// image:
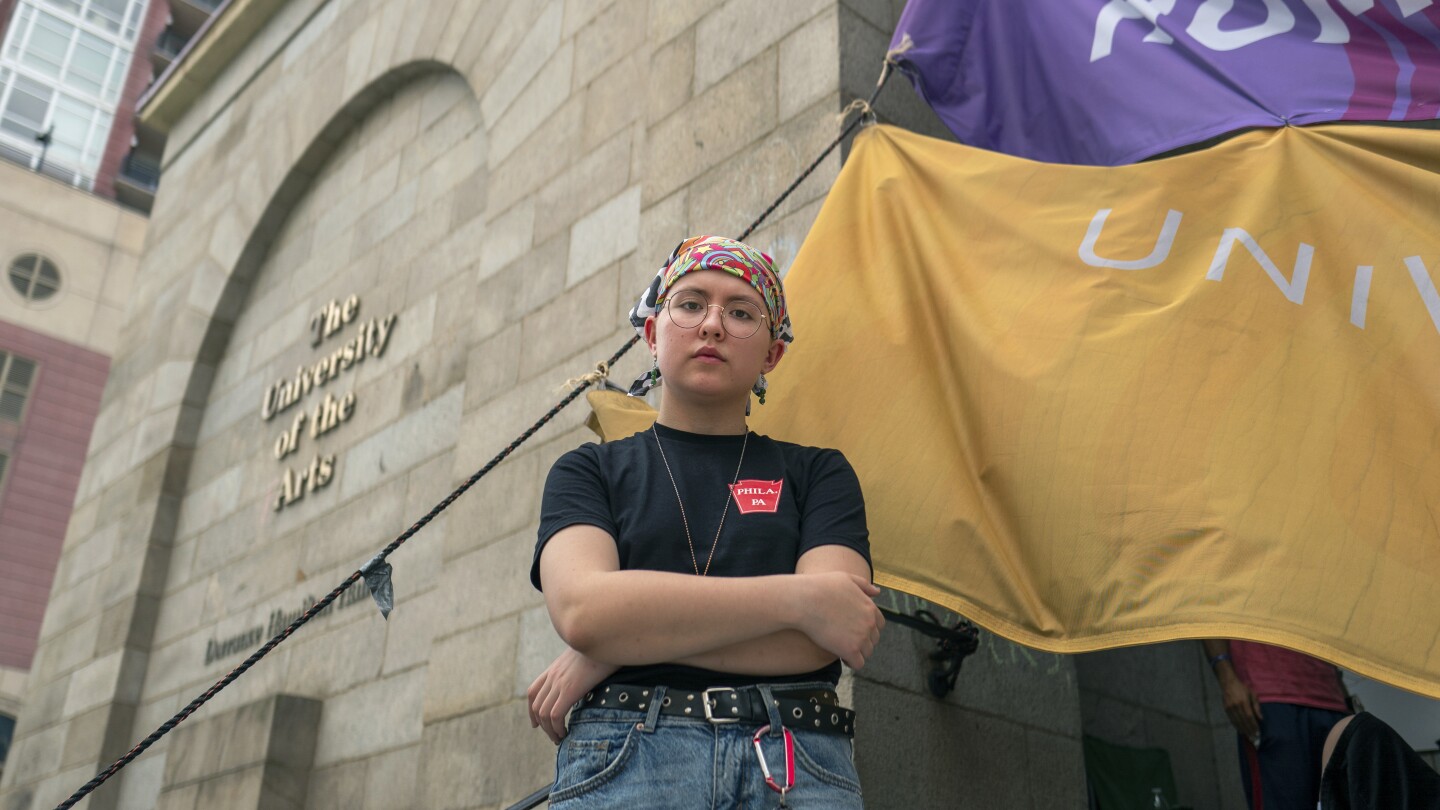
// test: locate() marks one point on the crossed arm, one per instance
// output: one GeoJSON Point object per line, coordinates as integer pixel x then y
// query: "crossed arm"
{"type": "Point", "coordinates": [770, 625]}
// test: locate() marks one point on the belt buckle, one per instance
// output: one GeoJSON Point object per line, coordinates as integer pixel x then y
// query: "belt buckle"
{"type": "Point", "coordinates": [705, 702]}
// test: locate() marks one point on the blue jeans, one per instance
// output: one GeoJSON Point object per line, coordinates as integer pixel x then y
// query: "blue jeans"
{"type": "Point", "coordinates": [618, 758]}
{"type": "Point", "coordinates": [1291, 741]}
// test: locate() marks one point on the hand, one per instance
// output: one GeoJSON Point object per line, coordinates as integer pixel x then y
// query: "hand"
{"type": "Point", "coordinates": [840, 616]}
{"type": "Point", "coordinates": [565, 681]}
{"type": "Point", "coordinates": [1241, 706]}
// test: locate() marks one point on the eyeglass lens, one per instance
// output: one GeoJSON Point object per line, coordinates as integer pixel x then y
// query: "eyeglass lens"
{"type": "Point", "coordinates": [741, 319]}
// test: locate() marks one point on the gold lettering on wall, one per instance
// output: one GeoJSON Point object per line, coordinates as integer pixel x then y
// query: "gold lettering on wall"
{"type": "Point", "coordinates": [369, 340]}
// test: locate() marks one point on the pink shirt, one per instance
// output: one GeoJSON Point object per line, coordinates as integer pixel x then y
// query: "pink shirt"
{"type": "Point", "coordinates": [1278, 675]}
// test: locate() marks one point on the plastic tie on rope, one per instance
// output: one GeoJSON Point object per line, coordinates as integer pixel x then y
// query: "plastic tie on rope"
{"type": "Point", "coordinates": [377, 578]}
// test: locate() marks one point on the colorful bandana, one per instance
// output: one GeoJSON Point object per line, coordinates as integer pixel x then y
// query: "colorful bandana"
{"type": "Point", "coordinates": [714, 253]}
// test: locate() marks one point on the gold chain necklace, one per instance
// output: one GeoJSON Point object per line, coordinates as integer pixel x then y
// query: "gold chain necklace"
{"type": "Point", "coordinates": [694, 562]}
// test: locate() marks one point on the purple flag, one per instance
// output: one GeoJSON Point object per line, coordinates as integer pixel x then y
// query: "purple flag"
{"type": "Point", "coordinates": [1107, 82]}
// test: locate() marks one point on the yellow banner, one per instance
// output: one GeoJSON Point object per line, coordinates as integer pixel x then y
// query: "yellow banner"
{"type": "Point", "coordinates": [1094, 407]}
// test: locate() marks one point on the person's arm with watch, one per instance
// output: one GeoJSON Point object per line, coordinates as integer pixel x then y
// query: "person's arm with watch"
{"type": "Point", "coordinates": [1241, 705]}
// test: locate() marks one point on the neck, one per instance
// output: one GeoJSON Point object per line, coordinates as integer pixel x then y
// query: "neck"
{"type": "Point", "coordinates": [718, 420]}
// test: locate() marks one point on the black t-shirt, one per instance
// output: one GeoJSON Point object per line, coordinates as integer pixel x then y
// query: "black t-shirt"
{"type": "Point", "coordinates": [789, 499]}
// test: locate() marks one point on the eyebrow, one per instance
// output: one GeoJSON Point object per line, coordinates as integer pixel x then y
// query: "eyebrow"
{"type": "Point", "coordinates": [729, 300]}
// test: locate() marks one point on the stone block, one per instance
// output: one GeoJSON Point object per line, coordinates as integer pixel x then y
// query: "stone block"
{"type": "Point", "coordinates": [337, 659]}
{"type": "Point", "coordinates": [533, 163]}
{"type": "Point", "coordinates": [578, 13]}
{"type": "Point", "coordinates": [727, 197]}
{"type": "Point", "coordinates": [809, 64]}
{"type": "Point", "coordinates": [505, 501]}
{"type": "Point", "coordinates": [1167, 675]}
{"type": "Point", "coordinates": [238, 789]}
{"type": "Point", "coordinates": [539, 645]}
{"type": "Point", "coordinates": [450, 778]}
{"type": "Point", "coordinates": [615, 32]}
{"type": "Point", "coordinates": [391, 780]}
{"type": "Point", "coordinates": [538, 45]}
{"type": "Point", "coordinates": [1056, 770]}
{"type": "Point", "coordinates": [374, 717]}
{"type": "Point", "coordinates": [508, 237]}
{"type": "Point", "coordinates": [34, 756]}
{"type": "Point", "coordinates": [473, 669]}
{"type": "Point", "coordinates": [462, 26]}
{"type": "Point", "coordinates": [409, 631]}
{"type": "Point", "coordinates": [587, 184]}
{"type": "Point", "coordinates": [711, 126]}
{"type": "Point", "coordinates": [68, 649]}
{"type": "Point", "coordinates": [411, 333]}
{"type": "Point", "coordinates": [485, 50]}
{"type": "Point", "coordinates": [914, 752]}
{"type": "Point", "coordinates": [740, 29]}
{"type": "Point", "coordinates": [408, 442]}
{"type": "Point", "coordinates": [671, 76]}
{"type": "Point", "coordinates": [140, 783]}
{"type": "Point", "coordinates": [223, 543]}
{"type": "Point", "coordinates": [1020, 684]}
{"type": "Point", "coordinates": [378, 223]}
{"type": "Point", "coordinates": [184, 798]}
{"type": "Point", "coordinates": [524, 285]}
{"type": "Point", "coordinates": [490, 427]}
{"type": "Point", "coordinates": [492, 366]}
{"type": "Point", "coordinates": [1192, 756]}
{"type": "Point", "coordinates": [668, 18]}
{"type": "Point", "coordinates": [339, 787]}
{"type": "Point", "coordinates": [44, 706]}
{"type": "Point", "coordinates": [129, 623]}
{"type": "Point", "coordinates": [486, 584]}
{"type": "Point", "coordinates": [583, 316]}
{"type": "Point", "coordinates": [541, 99]}
{"type": "Point", "coordinates": [459, 168]}
{"type": "Point", "coordinates": [94, 684]}
{"type": "Point", "coordinates": [604, 235]}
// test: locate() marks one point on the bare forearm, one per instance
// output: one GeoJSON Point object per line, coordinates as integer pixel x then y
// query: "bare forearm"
{"type": "Point", "coordinates": [647, 617]}
{"type": "Point", "coordinates": [788, 652]}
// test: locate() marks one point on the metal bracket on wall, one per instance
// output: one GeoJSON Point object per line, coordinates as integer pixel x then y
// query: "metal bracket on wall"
{"type": "Point", "coordinates": [952, 646]}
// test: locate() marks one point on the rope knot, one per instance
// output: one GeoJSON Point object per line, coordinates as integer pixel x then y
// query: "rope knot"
{"type": "Point", "coordinates": [602, 370]}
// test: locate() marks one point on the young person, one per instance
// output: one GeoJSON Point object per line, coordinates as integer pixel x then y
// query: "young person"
{"type": "Point", "coordinates": [707, 580]}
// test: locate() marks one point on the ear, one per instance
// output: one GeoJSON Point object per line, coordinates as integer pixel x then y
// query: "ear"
{"type": "Point", "coordinates": [772, 357]}
{"type": "Point", "coordinates": [650, 334]}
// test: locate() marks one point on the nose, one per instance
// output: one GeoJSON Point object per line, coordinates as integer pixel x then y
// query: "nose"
{"type": "Point", "coordinates": [714, 322]}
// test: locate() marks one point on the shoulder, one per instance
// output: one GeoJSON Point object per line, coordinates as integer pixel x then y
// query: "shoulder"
{"type": "Point", "coordinates": [804, 456]}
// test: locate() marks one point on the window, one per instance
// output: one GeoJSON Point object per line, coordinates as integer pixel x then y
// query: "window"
{"type": "Point", "coordinates": [7, 731]}
{"type": "Point", "coordinates": [63, 65]}
{"type": "Point", "coordinates": [16, 375]}
{"type": "Point", "coordinates": [35, 277]}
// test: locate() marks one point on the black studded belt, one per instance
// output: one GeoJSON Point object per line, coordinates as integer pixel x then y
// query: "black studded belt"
{"type": "Point", "coordinates": [800, 710]}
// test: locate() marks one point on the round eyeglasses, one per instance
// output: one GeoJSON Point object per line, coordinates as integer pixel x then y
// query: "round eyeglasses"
{"type": "Point", "coordinates": [689, 308]}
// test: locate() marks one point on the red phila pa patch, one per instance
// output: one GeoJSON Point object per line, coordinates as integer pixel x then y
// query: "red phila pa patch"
{"type": "Point", "coordinates": [757, 496]}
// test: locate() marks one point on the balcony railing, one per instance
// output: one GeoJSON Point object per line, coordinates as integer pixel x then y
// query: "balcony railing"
{"type": "Point", "coordinates": [141, 171]}
{"type": "Point", "coordinates": [169, 45]}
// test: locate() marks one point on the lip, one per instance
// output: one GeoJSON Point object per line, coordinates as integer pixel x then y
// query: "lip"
{"type": "Point", "coordinates": [708, 355]}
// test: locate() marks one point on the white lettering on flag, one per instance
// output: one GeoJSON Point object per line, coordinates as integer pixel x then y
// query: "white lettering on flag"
{"type": "Point", "coordinates": [1294, 287]}
{"type": "Point", "coordinates": [1158, 255]}
{"type": "Point", "coordinates": [1426, 288]}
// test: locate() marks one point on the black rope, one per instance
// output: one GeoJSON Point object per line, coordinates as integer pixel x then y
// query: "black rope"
{"type": "Point", "coordinates": [315, 609]}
